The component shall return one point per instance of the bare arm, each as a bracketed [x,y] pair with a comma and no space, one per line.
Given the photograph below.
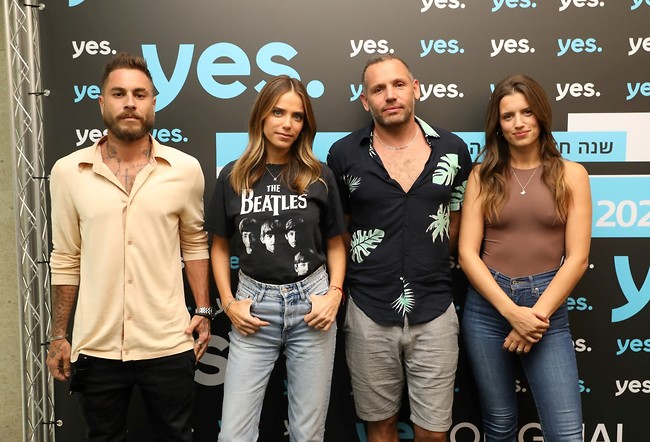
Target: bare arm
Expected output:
[197,276]
[347,236]
[324,308]
[58,356]
[454,229]
[237,311]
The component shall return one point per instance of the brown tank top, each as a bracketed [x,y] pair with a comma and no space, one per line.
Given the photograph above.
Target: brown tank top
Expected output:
[527,239]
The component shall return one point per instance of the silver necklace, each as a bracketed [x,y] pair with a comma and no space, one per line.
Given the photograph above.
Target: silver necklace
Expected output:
[397,147]
[523,188]
[275,178]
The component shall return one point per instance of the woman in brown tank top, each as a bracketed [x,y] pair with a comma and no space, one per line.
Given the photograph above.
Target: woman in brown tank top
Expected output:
[524,245]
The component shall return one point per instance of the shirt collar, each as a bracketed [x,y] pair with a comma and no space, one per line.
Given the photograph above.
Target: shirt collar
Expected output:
[426,129]
[93,154]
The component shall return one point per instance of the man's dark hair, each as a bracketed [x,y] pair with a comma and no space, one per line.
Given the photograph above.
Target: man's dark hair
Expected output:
[124,60]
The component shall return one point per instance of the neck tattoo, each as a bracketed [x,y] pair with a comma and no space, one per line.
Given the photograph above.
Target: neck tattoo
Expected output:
[523,188]
[397,147]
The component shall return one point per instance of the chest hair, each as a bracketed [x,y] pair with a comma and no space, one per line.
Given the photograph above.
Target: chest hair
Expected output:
[405,166]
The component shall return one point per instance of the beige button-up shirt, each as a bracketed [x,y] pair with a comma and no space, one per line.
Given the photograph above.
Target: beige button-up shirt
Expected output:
[124,251]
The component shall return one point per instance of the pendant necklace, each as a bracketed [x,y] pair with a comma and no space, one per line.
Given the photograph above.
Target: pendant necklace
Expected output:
[523,188]
[275,178]
[397,147]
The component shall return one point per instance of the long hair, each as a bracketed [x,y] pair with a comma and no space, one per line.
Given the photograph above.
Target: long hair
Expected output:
[495,166]
[302,168]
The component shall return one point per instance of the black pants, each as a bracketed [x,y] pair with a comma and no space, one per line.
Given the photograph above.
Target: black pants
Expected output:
[167,388]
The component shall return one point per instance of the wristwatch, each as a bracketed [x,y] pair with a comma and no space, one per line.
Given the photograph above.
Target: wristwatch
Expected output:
[207,312]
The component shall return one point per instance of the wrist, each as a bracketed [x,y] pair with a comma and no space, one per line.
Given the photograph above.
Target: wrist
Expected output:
[339,290]
[58,337]
[206,312]
[228,304]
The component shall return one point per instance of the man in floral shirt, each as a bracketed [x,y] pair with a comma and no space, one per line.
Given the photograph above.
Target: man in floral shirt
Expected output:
[402,183]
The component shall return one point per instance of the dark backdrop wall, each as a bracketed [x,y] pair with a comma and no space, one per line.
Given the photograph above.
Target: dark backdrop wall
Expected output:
[210,58]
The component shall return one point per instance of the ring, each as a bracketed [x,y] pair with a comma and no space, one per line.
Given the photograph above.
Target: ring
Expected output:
[200,343]
[519,350]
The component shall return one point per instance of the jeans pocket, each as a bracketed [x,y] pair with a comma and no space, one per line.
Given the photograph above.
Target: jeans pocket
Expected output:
[243,293]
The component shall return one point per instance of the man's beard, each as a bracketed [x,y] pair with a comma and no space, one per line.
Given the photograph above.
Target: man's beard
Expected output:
[393,120]
[130,133]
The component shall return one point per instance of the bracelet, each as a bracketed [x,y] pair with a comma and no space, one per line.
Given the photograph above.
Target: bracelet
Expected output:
[58,337]
[340,290]
[206,312]
[228,306]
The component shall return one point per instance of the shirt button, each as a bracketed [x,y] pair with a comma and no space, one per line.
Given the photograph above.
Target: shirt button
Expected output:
[129,242]
[128,318]
[130,281]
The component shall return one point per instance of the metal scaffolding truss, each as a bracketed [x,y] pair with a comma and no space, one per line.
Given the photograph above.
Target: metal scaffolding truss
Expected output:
[22,36]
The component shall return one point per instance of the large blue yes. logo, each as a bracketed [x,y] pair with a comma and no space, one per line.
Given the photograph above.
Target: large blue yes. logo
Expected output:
[219,69]
[637,299]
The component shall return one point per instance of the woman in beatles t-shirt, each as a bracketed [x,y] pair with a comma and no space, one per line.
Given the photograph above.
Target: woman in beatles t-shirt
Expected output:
[281,205]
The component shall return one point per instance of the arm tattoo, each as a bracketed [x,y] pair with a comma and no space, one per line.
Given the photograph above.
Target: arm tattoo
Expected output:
[64,300]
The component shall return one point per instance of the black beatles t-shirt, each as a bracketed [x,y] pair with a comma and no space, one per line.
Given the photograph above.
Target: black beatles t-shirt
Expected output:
[280,235]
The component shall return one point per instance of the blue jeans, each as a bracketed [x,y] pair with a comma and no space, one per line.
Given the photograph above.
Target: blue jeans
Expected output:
[309,356]
[550,367]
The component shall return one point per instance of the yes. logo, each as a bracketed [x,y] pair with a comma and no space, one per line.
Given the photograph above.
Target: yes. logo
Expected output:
[637,299]
[576,90]
[634,386]
[91,47]
[580,345]
[579,304]
[581,4]
[637,44]
[440,47]
[633,345]
[73,3]
[426,91]
[92,91]
[439,91]
[441,4]
[369,47]
[637,3]
[498,4]
[220,60]
[510,46]
[577,45]
[638,88]
[212,377]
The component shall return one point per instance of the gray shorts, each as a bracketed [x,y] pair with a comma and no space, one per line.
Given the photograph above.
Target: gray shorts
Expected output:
[379,357]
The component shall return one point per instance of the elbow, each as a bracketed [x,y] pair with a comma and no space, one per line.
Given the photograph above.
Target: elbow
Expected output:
[462,257]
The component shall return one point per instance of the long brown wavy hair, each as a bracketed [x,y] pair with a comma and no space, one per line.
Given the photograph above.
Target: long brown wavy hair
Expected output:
[495,165]
[302,168]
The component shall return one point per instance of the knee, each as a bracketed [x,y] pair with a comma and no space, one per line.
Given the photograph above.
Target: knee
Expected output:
[504,426]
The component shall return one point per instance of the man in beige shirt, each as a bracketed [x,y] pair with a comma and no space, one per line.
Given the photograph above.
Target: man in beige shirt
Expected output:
[127,213]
